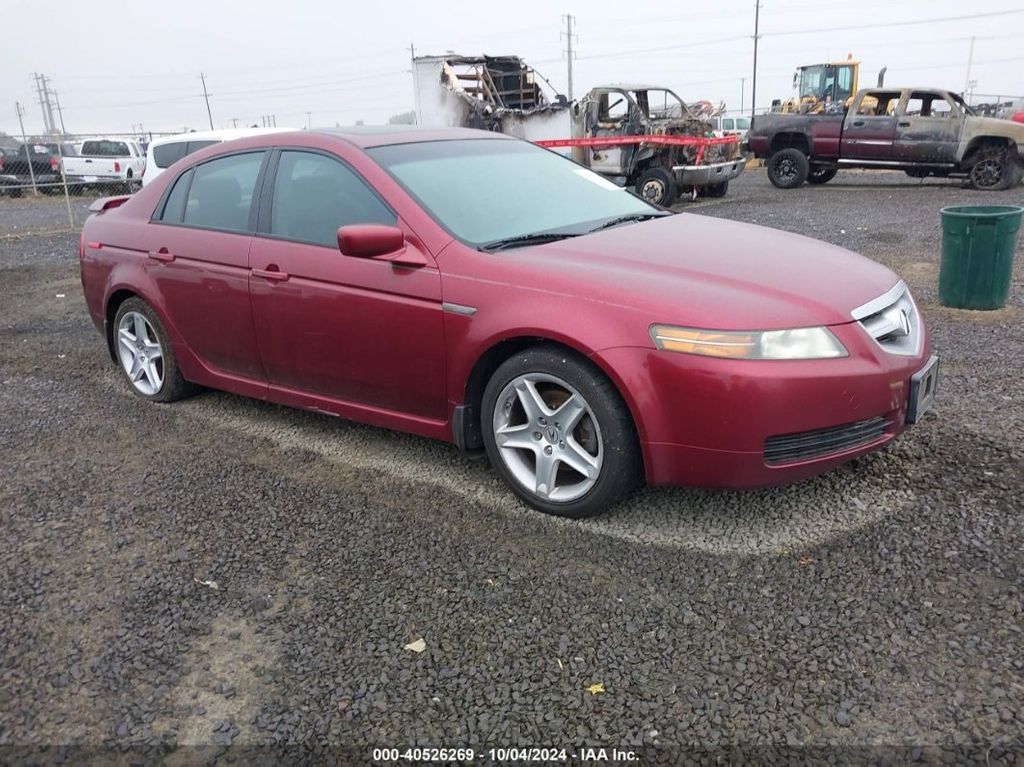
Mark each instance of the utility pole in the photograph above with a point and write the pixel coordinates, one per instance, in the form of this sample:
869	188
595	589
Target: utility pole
309	120
47	127
568	49
743	87
49	107
28	149
60	112
970	61
206	96
753	81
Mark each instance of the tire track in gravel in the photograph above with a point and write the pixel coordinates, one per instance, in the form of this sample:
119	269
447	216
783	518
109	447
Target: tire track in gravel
752	523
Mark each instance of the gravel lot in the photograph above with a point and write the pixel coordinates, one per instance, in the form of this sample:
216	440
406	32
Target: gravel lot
880	605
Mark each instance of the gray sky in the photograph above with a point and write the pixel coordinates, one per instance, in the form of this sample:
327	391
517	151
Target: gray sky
117	64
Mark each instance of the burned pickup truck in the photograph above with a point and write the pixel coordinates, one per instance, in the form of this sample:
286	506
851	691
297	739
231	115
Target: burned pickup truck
921	131
642	136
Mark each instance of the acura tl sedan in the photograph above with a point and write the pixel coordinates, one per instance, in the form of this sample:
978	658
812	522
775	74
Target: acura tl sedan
471	287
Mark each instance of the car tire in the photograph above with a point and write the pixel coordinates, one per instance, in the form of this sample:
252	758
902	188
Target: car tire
821	175
994	170
716	190
533	393
788	168
657	186
144	353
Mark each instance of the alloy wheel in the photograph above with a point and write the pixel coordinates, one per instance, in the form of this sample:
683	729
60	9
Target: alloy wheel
140	353
786	169
987	173
548	437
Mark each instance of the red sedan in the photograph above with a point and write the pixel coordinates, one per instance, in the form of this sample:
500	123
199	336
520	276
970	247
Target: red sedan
474	288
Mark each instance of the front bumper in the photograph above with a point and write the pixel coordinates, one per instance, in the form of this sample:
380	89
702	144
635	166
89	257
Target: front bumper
707	422
705	175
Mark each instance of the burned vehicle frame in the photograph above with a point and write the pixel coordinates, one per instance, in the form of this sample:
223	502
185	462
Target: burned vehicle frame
642	136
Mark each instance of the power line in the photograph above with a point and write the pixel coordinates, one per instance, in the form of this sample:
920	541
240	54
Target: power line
887	24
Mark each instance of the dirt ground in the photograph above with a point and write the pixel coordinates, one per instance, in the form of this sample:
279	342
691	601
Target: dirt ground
222	572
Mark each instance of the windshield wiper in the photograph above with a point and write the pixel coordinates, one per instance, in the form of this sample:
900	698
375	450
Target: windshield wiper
627	219
536	238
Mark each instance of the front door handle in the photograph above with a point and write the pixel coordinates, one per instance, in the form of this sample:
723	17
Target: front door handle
858	123
904	125
161	255
271	273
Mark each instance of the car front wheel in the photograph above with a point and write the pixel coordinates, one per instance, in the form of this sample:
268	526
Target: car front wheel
995	170
559	433
657	186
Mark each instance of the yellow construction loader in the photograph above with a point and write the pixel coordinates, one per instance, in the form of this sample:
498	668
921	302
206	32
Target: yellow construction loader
823	87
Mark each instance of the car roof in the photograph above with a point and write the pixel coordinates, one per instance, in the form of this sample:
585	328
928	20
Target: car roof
366	136
227	134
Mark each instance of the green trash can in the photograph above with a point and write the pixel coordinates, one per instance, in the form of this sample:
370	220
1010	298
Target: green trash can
977	255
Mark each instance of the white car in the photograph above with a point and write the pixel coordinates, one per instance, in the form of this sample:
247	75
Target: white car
731	126
162	153
105	161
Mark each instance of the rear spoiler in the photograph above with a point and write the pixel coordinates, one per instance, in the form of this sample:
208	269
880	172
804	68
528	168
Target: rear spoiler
108	203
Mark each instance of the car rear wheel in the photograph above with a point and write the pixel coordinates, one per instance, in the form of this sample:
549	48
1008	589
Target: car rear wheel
821	175
145	355
657	186
788	168
559	433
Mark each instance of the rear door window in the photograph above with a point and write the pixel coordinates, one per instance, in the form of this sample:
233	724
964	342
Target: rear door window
222	191
314	195
165	155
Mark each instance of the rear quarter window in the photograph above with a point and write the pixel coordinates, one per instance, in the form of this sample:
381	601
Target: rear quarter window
174	208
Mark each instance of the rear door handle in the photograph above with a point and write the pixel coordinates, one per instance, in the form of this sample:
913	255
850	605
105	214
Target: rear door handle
904	125
858	123
161	255
271	273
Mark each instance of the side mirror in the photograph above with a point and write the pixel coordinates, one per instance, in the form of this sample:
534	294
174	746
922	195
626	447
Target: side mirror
369	240
385	243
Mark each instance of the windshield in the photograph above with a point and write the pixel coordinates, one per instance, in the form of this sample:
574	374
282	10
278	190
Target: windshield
962	104
485	190
660	103
826	80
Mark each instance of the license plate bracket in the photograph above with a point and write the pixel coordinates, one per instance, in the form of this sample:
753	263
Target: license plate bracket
922	390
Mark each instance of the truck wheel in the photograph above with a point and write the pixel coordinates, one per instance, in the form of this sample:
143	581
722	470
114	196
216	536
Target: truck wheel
715	190
821	175
788	168
994	170
657	186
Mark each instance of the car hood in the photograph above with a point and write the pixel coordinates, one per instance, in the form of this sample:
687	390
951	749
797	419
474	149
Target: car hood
993	126
712	273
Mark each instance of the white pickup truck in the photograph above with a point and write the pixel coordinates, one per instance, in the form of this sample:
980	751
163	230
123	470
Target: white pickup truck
102	162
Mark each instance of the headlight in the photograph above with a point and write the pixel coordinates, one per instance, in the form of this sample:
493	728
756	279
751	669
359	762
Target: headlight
799	344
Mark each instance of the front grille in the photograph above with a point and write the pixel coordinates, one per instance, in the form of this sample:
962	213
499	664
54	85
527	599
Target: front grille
788	448
892	320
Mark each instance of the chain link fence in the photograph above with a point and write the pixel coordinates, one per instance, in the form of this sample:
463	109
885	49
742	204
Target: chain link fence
47	182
